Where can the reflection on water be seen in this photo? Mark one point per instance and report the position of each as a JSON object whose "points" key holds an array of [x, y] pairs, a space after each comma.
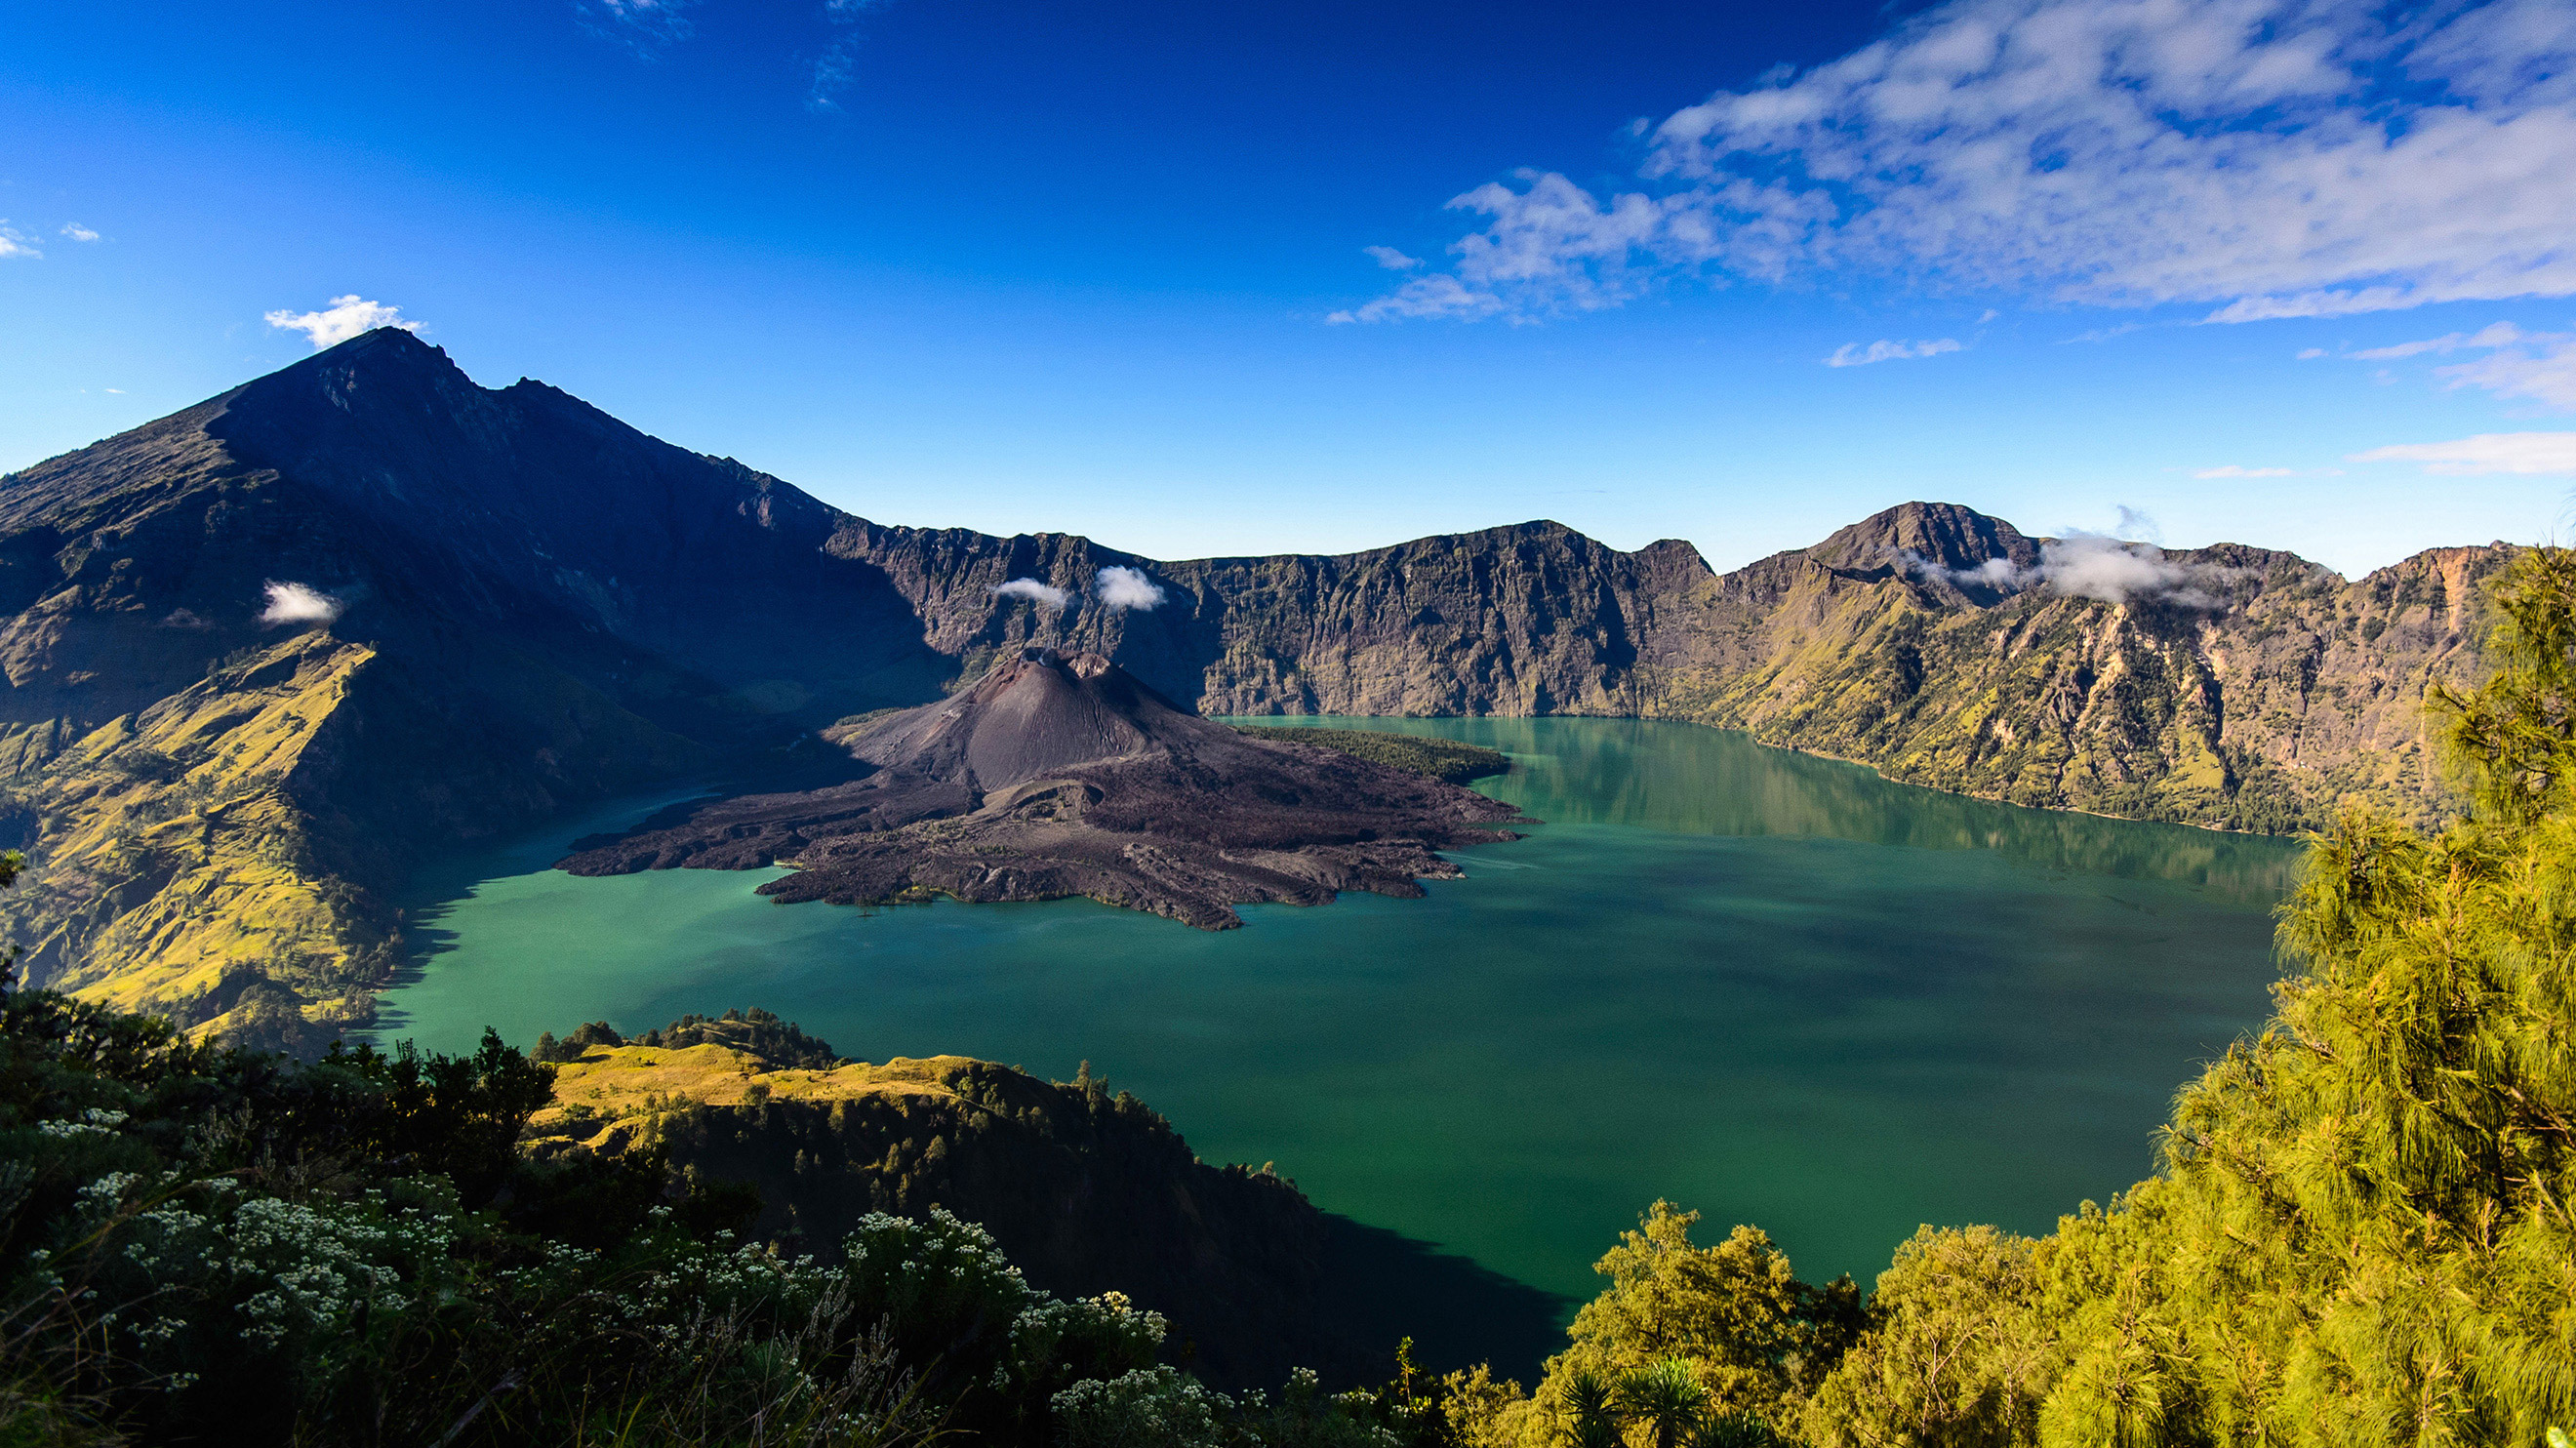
{"points": [[1771, 987], [1693, 780]]}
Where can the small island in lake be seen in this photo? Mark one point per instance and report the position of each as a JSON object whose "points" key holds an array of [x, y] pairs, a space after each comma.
{"points": [[1061, 774]]}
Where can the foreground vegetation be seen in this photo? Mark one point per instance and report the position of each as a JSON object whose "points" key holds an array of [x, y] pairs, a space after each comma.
{"points": [[2364, 1232], [210, 1245]]}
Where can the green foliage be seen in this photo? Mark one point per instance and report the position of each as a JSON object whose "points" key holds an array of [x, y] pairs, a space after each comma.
{"points": [[1443, 759], [213, 1245], [782, 1045], [226, 1246], [1665, 1397], [1731, 1318], [1956, 1354], [1159, 1407]]}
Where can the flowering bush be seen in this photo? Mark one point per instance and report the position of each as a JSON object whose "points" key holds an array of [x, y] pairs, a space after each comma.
{"points": [[222, 1246]]}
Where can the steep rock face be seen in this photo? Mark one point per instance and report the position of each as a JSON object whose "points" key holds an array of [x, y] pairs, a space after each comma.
{"points": [[2259, 692], [1531, 619]]}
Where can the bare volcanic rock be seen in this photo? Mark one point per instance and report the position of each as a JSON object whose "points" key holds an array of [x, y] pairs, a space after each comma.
{"points": [[1061, 774]]}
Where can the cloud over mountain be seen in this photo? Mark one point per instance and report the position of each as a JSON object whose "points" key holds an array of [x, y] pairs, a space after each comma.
{"points": [[298, 603], [2089, 565], [1044, 595], [346, 317], [1125, 588]]}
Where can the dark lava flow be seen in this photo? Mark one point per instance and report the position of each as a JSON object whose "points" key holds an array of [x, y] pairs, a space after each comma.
{"points": [[1062, 774]]}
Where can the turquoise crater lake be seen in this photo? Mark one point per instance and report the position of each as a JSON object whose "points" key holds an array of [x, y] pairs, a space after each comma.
{"points": [[1772, 987]]}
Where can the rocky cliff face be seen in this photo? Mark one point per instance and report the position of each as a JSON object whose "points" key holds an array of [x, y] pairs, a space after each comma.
{"points": [[2233, 686], [507, 602], [1531, 619]]}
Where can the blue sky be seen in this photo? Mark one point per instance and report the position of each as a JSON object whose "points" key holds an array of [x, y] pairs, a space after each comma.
{"points": [[2297, 274]]}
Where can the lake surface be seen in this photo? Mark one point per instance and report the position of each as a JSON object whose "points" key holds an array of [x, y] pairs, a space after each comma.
{"points": [[1772, 987]]}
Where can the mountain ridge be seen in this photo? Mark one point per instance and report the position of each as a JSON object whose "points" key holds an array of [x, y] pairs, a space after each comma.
{"points": [[518, 604]]}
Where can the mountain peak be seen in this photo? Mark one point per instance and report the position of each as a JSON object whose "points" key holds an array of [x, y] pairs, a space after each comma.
{"points": [[1954, 537], [1038, 710]]}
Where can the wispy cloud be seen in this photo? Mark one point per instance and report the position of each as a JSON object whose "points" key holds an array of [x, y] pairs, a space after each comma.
{"points": [[1438, 295], [346, 317], [645, 26], [2266, 158], [2537, 365], [2541, 367], [78, 232], [1391, 259], [1045, 595], [1853, 354], [2103, 334], [2488, 452], [2232, 470], [14, 242], [2501, 334], [838, 64]]}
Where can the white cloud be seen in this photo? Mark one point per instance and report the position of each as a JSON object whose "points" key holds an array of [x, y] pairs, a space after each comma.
{"points": [[2499, 335], [1044, 595], [2231, 470], [2265, 158], [2488, 452], [1391, 259], [2537, 365], [2310, 354], [2088, 565], [1853, 354], [2543, 369], [346, 317], [78, 232], [14, 242], [1123, 588], [298, 603]]}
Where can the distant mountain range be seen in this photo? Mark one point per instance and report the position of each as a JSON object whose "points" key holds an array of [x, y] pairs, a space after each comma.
{"points": [[265, 655]]}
